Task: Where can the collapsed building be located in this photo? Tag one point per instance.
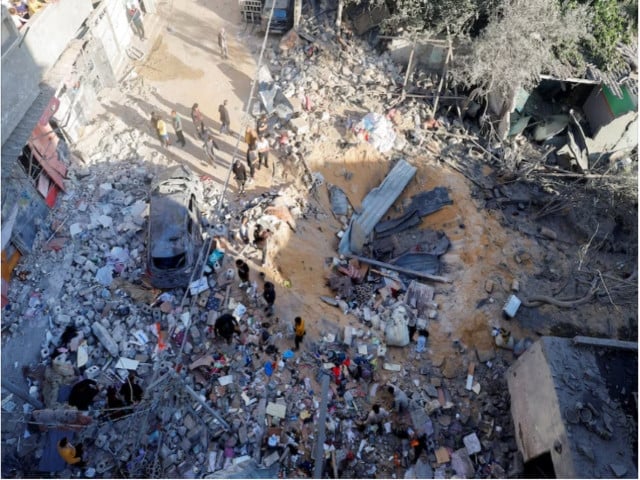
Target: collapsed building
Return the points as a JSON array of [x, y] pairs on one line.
[[255, 408]]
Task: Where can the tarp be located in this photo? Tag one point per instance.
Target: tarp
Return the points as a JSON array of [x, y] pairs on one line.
[[377, 130]]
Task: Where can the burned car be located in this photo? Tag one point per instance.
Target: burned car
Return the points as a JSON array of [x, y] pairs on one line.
[[175, 234]]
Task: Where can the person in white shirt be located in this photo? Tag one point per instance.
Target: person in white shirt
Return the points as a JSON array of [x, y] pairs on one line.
[[262, 146]]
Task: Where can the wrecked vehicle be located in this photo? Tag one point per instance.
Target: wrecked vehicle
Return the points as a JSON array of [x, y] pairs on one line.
[[175, 235], [282, 20]]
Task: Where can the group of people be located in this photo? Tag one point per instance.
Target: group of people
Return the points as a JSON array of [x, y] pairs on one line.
[[22, 10], [257, 154], [209, 144], [227, 325]]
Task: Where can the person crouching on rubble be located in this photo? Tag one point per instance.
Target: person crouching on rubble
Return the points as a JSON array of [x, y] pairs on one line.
[[376, 416], [226, 325], [70, 454]]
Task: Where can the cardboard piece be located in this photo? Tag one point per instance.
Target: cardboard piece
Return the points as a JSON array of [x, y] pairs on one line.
[[277, 410]]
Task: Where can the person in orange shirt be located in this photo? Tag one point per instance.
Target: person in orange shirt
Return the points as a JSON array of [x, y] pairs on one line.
[[300, 331], [70, 454]]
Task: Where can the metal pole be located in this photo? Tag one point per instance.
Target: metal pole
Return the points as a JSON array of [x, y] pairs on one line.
[[319, 457]]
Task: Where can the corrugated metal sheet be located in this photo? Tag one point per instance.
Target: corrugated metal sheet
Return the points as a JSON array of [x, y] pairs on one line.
[[375, 205]]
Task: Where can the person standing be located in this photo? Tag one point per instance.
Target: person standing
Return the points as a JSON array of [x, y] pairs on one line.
[[243, 272], [262, 125], [262, 145], [162, 132], [269, 295], [135, 17], [154, 124], [240, 174], [300, 331], [252, 157], [225, 121], [222, 43], [70, 454], [198, 120], [177, 126]]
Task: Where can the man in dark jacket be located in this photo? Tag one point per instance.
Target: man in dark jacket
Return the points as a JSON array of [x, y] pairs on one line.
[[269, 296], [240, 174]]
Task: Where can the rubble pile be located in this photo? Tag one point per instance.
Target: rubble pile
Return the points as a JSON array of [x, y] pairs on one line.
[[213, 408]]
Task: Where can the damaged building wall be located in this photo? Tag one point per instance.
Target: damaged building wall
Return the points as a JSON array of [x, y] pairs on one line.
[[536, 414], [28, 58], [573, 399]]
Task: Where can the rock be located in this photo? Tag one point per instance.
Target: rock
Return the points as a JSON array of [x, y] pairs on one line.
[[444, 420], [485, 355], [488, 286], [442, 455], [431, 390], [299, 125], [452, 367], [105, 339], [618, 469], [461, 464], [189, 422], [472, 443]]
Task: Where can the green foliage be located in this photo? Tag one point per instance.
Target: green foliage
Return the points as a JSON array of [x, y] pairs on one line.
[[611, 24]]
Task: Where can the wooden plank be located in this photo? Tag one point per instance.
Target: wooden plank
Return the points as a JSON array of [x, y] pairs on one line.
[[605, 343], [407, 271]]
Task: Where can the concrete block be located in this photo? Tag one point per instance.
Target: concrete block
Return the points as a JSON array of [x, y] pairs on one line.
[[299, 125]]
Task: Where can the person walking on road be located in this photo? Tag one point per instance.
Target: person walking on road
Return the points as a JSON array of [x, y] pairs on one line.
[[225, 121], [300, 331], [240, 174], [198, 121], [222, 43], [210, 146], [177, 126]]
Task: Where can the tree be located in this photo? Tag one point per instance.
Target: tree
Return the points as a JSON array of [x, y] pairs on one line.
[[612, 24], [518, 44]]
